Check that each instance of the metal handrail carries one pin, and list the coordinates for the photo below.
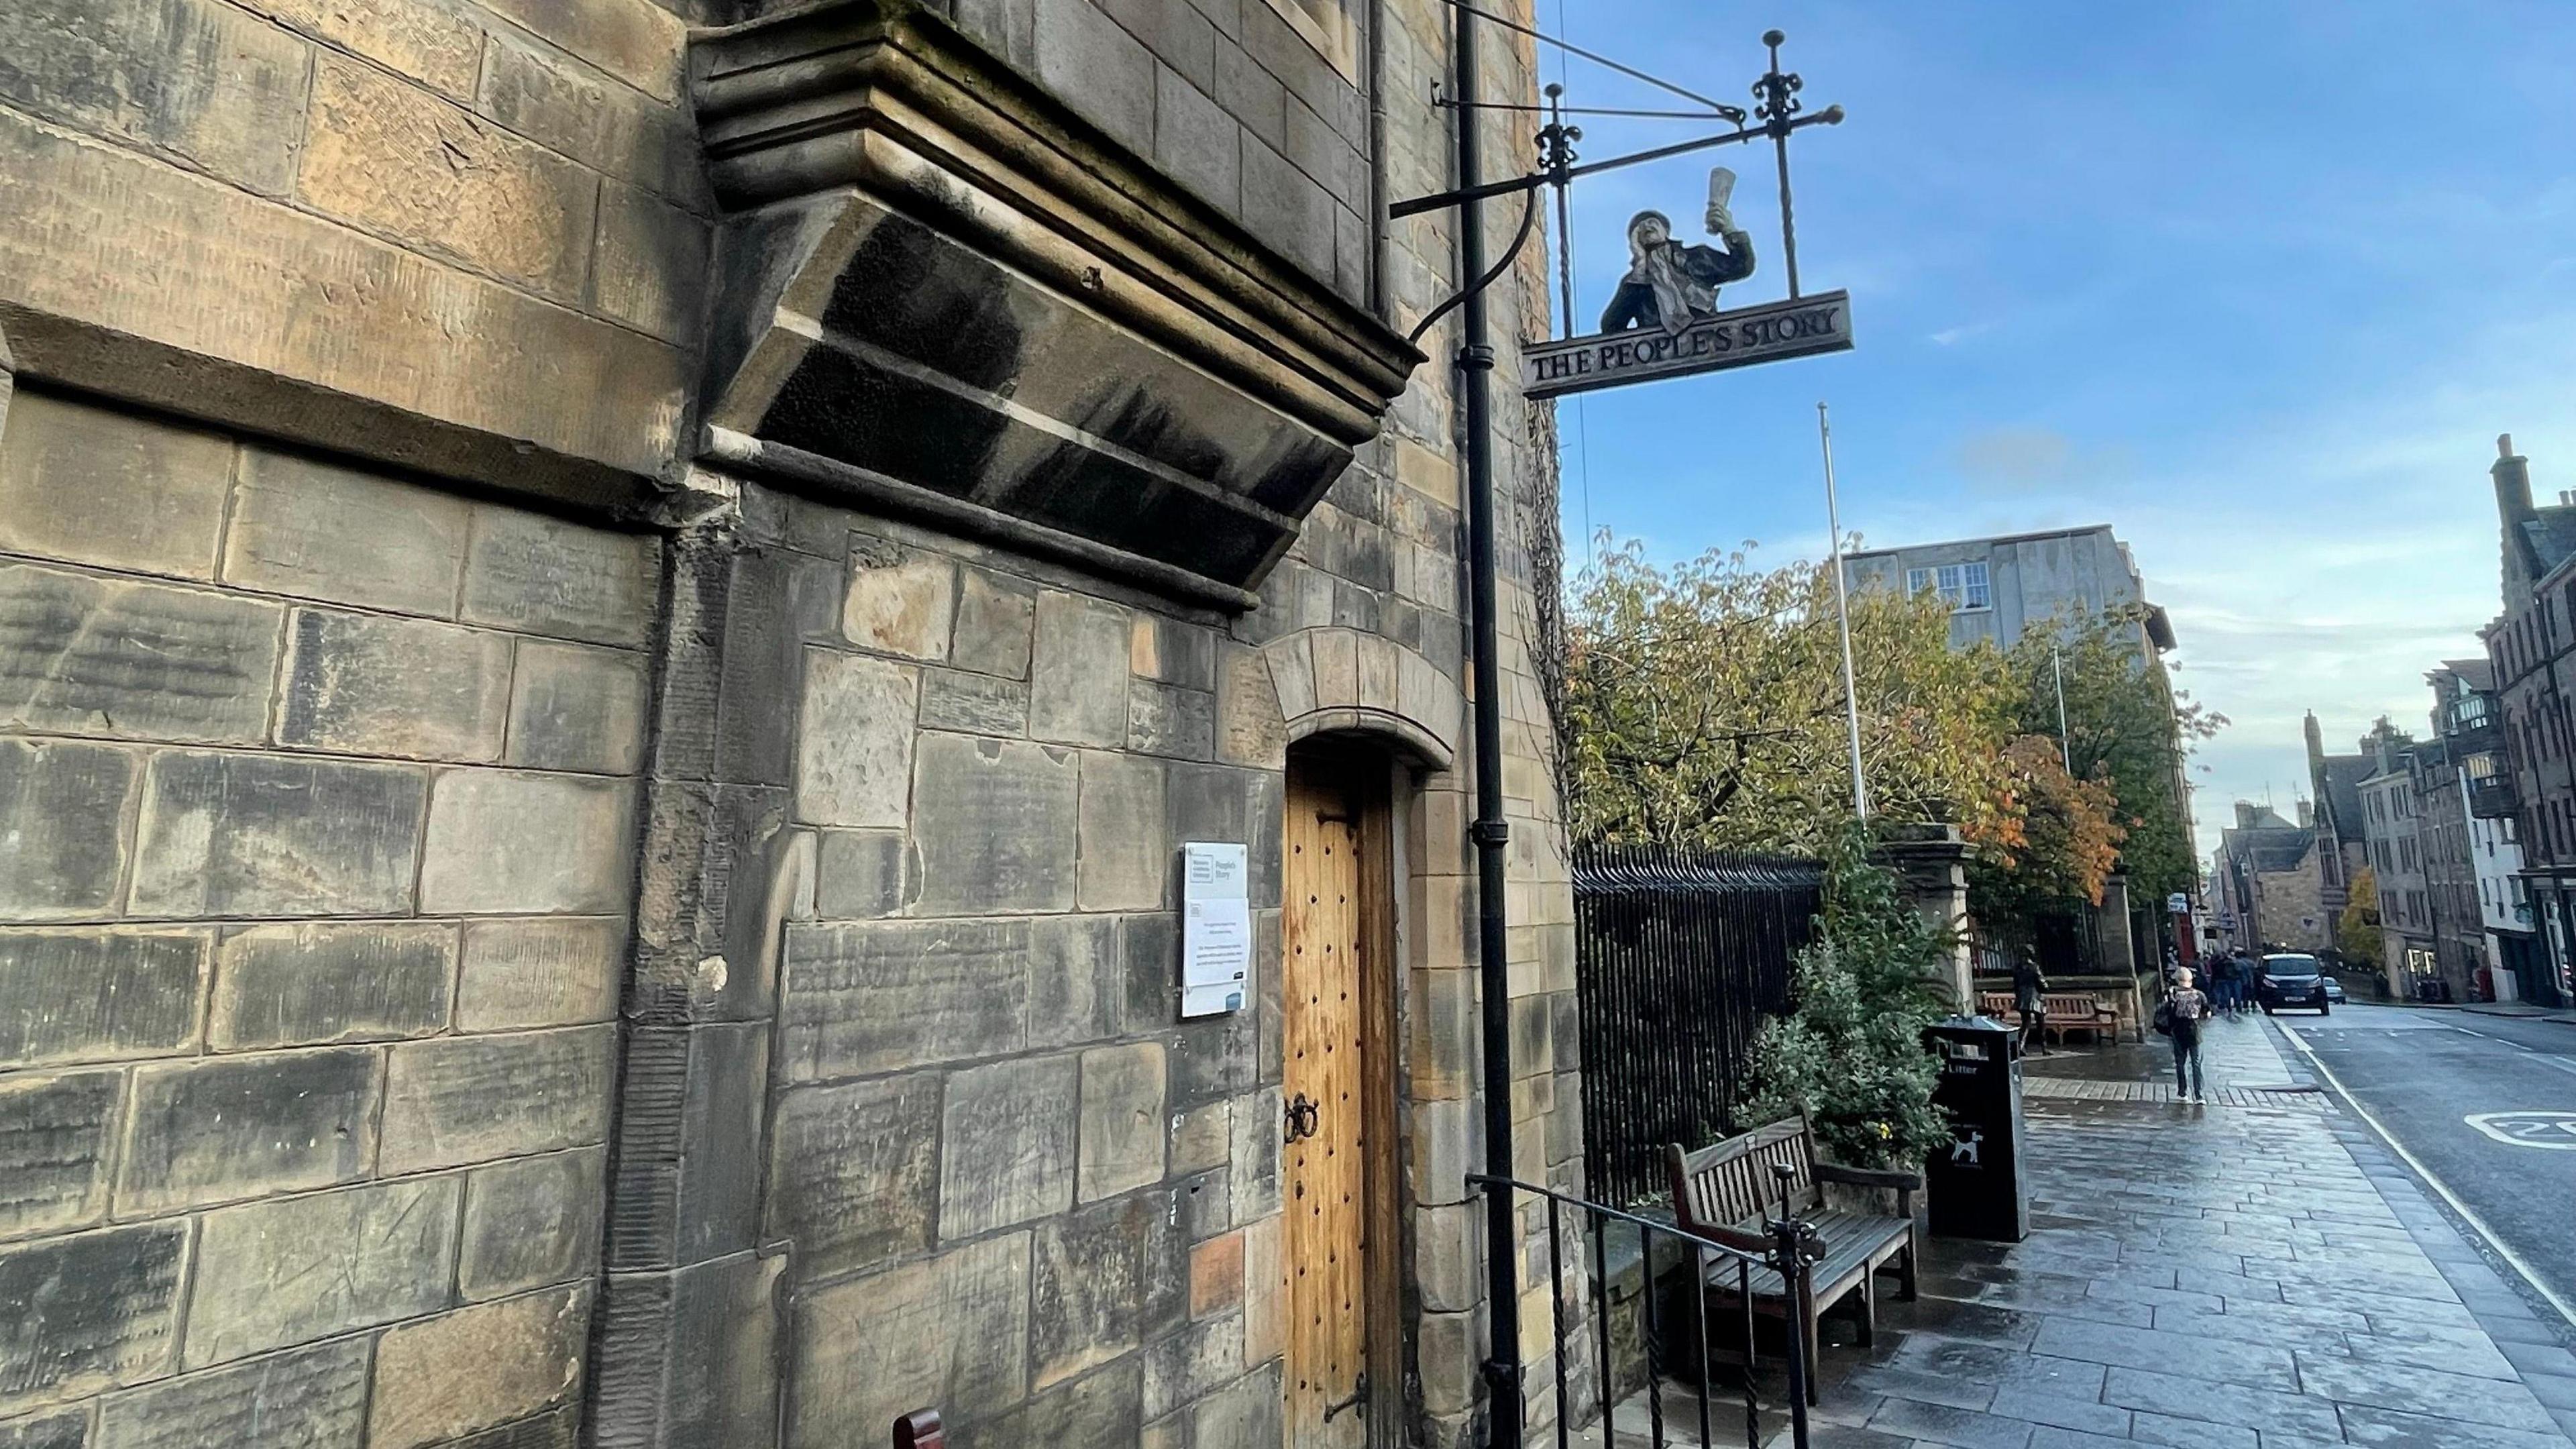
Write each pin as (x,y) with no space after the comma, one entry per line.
(1758,1260)
(1792,1250)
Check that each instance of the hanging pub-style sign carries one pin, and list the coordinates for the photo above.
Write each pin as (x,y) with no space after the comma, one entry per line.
(1796,327)
(1664,320)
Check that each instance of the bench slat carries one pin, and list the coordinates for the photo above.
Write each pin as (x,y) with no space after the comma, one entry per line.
(1863,1241)
(1729,1192)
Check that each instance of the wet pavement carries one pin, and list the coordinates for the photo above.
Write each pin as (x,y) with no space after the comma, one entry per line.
(2254,1273)
(2485,1104)
(2521,1009)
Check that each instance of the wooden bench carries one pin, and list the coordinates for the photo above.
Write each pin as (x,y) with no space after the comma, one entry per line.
(1729,1191)
(2066,1011)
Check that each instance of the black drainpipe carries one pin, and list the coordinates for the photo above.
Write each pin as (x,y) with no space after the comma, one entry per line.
(1476,365)
(1375,75)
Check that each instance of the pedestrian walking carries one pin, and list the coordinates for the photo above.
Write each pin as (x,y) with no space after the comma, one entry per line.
(2180,1018)
(2030,999)
(2226,979)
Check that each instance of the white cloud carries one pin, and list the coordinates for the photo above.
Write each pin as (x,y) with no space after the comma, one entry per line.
(2323,562)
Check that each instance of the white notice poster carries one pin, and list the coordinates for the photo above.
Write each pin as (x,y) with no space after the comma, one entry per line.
(1216,928)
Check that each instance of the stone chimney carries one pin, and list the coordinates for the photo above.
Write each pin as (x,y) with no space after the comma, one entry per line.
(2307,814)
(2247,814)
(2512,474)
(2316,742)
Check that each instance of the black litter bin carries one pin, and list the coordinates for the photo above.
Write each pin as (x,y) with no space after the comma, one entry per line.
(1978,1187)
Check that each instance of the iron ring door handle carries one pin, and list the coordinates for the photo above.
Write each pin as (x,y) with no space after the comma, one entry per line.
(1302,1116)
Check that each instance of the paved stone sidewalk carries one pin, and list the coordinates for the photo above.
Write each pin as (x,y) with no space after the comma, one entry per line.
(2517,1008)
(2251,1274)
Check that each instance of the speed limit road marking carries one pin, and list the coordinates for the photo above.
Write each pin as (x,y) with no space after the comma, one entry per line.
(2548,1131)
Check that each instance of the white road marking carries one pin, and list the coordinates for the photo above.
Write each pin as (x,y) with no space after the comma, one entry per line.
(2467,1214)
(2546,1131)
(2561,1063)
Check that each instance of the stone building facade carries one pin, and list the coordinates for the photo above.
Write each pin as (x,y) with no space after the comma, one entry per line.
(611,617)
(2521,764)
(2395,836)
(2271,883)
(2465,951)
(2468,717)
(2343,840)
(2002,586)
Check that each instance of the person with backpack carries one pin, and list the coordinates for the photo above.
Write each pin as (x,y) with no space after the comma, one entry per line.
(2184,1009)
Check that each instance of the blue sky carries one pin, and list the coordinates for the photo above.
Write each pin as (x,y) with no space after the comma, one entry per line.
(2256,284)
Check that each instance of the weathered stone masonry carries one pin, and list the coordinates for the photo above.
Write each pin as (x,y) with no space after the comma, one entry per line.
(317,788)
(599,677)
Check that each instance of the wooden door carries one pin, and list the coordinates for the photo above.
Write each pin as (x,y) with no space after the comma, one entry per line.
(1331,995)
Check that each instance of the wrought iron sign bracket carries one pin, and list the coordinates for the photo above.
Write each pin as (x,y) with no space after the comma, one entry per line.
(1776,117)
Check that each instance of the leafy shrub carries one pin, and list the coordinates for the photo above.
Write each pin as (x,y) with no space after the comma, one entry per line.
(1850,1054)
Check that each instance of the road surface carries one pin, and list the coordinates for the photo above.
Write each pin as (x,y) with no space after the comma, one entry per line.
(2485,1105)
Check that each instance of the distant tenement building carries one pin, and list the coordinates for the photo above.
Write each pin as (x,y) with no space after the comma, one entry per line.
(2269,887)
(2517,760)
(1998,587)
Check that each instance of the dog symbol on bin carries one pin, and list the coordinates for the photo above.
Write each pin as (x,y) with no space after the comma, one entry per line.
(1965,1149)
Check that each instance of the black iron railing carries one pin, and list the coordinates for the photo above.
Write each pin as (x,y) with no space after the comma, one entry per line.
(2065,942)
(1678,957)
(1712,1266)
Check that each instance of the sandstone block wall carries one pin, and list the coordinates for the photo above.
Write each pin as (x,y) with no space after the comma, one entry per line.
(315,870)
(2290,908)
(1234,99)
(1007,1178)
(465,212)
(398,825)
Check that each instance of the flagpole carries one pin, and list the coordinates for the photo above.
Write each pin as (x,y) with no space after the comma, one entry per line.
(2065,751)
(1842,615)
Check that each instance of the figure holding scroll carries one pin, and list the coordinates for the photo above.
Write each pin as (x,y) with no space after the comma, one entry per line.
(1670,283)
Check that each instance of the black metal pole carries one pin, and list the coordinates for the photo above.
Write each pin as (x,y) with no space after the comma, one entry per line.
(1779,106)
(1788,1259)
(1556,1318)
(1476,365)
(1564,217)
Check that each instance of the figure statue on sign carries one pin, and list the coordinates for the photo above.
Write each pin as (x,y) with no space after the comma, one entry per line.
(1669,283)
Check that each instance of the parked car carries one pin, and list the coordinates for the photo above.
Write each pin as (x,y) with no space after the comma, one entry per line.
(2334,990)
(2294,980)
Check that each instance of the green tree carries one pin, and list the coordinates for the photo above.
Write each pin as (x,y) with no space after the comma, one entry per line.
(2063,845)
(1704,707)
(2126,726)
(2357,929)
(1850,1054)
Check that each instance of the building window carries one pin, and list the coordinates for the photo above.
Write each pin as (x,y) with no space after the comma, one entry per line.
(1332,27)
(1963,587)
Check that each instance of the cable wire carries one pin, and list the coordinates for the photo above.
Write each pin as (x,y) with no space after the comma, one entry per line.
(1565,255)
(1599,111)
(1732,113)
